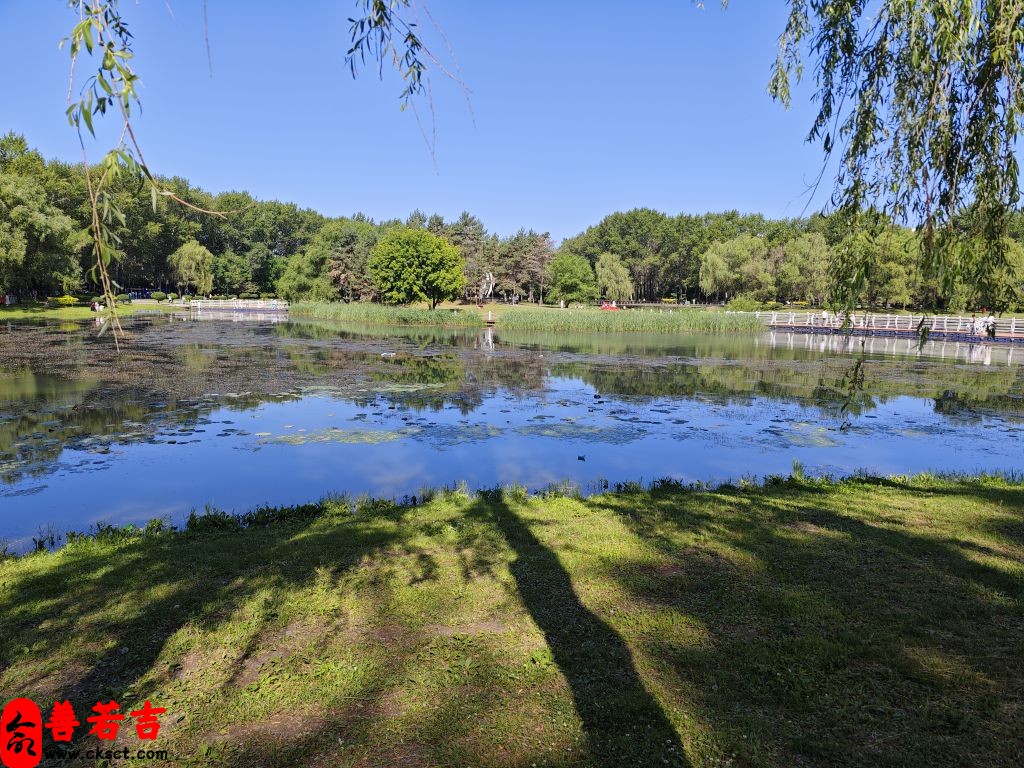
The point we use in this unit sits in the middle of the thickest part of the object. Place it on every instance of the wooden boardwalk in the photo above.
(1009, 330)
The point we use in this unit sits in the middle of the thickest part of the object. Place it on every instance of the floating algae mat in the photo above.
(584, 433)
(236, 415)
(333, 435)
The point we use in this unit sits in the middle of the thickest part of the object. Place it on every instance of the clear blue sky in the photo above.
(581, 108)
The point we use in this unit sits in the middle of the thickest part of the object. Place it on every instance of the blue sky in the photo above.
(579, 108)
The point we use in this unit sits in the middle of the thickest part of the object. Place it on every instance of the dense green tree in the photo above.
(613, 280)
(232, 274)
(571, 279)
(263, 246)
(410, 265)
(721, 264)
(191, 268)
(304, 279)
(38, 244)
(346, 247)
(804, 272)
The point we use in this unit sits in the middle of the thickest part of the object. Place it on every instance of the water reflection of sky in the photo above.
(305, 410)
(289, 452)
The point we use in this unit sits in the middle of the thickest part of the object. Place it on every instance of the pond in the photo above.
(239, 414)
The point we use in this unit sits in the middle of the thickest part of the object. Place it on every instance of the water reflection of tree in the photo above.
(172, 381)
(166, 397)
(823, 383)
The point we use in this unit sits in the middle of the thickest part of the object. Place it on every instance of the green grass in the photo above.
(867, 622)
(381, 315)
(628, 320)
(42, 312)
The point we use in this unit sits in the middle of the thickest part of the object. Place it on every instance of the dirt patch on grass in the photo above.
(808, 528)
(279, 644)
(491, 627)
(193, 662)
(58, 685)
(278, 728)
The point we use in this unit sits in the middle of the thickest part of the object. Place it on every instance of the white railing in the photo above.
(870, 321)
(238, 305)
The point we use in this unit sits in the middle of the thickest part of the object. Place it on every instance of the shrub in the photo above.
(158, 295)
(172, 296)
(62, 301)
(123, 298)
(96, 300)
(743, 303)
(268, 295)
(248, 295)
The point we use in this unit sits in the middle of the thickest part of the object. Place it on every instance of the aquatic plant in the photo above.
(381, 315)
(628, 321)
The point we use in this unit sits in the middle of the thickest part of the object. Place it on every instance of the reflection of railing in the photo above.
(199, 306)
(1007, 329)
(943, 348)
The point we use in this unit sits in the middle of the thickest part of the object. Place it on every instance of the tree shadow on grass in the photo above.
(623, 722)
(94, 620)
(836, 636)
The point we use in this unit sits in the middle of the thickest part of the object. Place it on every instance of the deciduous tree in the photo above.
(410, 265)
(192, 268)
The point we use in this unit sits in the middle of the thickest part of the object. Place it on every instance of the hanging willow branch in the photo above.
(102, 35)
(923, 102)
(381, 33)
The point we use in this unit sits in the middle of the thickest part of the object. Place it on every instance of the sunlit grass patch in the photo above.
(803, 622)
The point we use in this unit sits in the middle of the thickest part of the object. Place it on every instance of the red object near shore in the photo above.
(609, 307)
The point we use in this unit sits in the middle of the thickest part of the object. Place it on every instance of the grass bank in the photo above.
(42, 312)
(866, 622)
(628, 321)
(379, 314)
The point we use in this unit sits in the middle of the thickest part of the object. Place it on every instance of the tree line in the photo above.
(274, 248)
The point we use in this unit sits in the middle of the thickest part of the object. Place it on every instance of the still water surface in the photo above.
(235, 415)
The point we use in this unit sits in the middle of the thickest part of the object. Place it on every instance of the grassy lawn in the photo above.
(860, 623)
(42, 312)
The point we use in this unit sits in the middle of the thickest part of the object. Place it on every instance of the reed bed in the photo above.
(628, 321)
(379, 314)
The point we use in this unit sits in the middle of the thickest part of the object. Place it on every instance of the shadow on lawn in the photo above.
(836, 637)
(196, 585)
(623, 722)
(833, 639)
(193, 582)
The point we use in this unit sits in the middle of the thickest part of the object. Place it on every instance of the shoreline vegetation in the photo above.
(379, 314)
(800, 621)
(667, 319)
(628, 321)
(41, 311)
(539, 319)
